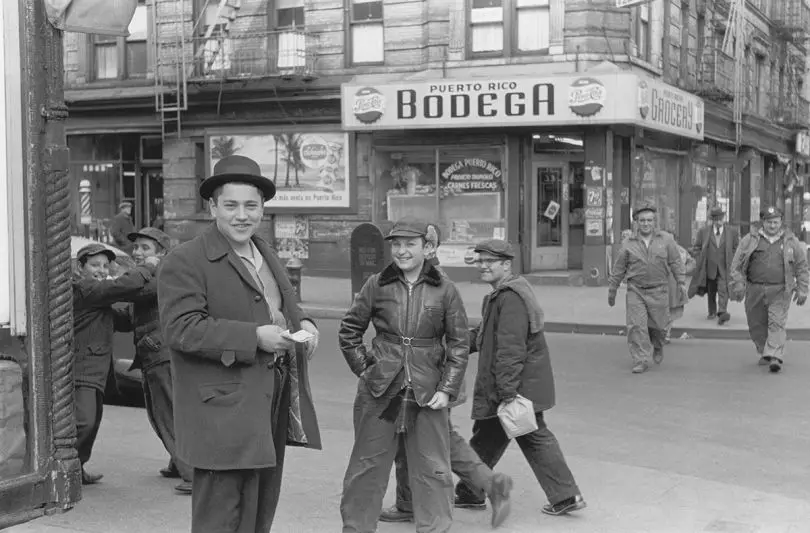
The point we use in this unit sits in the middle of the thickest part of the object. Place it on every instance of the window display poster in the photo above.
(309, 170)
(755, 207)
(471, 175)
(594, 227)
(552, 210)
(292, 236)
(700, 210)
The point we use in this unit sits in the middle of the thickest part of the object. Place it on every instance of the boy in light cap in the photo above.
(408, 377)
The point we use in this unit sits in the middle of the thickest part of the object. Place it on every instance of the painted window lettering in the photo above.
(443, 104)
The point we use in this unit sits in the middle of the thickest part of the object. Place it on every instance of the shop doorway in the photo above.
(152, 189)
(549, 220)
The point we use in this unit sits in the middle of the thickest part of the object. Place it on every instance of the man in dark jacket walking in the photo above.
(408, 378)
(714, 250)
(94, 322)
(121, 226)
(514, 360)
(152, 355)
(241, 385)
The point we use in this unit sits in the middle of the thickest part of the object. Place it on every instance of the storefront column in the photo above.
(598, 165)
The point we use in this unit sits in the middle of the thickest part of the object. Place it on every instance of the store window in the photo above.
(460, 189)
(656, 179)
(713, 186)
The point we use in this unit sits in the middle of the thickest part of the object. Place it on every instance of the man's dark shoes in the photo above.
(170, 471)
(574, 503)
(658, 355)
(722, 318)
(499, 498)
(183, 488)
(711, 316)
(466, 503)
(764, 360)
(395, 514)
(776, 365)
(90, 479)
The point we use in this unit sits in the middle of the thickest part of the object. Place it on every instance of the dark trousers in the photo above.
(89, 408)
(157, 394)
(463, 461)
(427, 447)
(541, 450)
(715, 292)
(243, 501)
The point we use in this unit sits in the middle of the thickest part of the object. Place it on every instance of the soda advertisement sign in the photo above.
(565, 100)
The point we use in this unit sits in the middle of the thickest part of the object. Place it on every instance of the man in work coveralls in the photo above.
(408, 377)
(646, 259)
(769, 268)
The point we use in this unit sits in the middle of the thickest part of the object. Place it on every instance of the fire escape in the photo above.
(199, 42)
(791, 20)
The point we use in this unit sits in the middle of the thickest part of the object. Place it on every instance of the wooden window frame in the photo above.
(509, 22)
(349, 40)
(272, 17)
(644, 53)
(120, 44)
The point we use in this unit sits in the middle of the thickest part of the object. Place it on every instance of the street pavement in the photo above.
(708, 442)
(567, 310)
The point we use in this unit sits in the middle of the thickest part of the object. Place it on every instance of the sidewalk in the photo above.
(567, 309)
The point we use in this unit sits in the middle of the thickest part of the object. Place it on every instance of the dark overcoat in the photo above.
(700, 250)
(210, 307)
(511, 359)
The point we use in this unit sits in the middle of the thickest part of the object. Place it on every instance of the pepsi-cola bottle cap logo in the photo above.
(587, 96)
(369, 105)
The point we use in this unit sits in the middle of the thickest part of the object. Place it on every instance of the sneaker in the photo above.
(575, 503)
(499, 498)
(183, 488)
(658, 355)
(640, 368)
(464, 503)
(776, 365)
(395, 514)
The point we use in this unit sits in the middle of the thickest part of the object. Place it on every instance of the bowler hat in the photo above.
(717, 212)
(237, 169)
(644, 206)
(496, 247)
(408, 227)
(152, 233)
(770, 212)
(95, 249)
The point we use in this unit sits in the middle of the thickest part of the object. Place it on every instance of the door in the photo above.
(152, 190)
(549, 243)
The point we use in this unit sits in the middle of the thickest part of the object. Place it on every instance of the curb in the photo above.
(801, 334)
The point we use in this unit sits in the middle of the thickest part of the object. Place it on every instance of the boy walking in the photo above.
(407, 380)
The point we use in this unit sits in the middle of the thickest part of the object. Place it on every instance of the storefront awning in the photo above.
(427, 100)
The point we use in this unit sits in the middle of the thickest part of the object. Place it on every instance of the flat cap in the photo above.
(124, 204)
(408, 227)
(770, 212)
(644, 206)
(152, 233)
(496, 247)
(717, 212)
(95, 249)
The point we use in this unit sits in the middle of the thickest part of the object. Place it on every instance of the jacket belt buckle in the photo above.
(407, 341)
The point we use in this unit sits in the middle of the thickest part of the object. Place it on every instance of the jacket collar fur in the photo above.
(429, 274)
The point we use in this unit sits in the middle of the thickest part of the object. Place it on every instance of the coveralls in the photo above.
(647, 270)
(407, 355)
(767, 272)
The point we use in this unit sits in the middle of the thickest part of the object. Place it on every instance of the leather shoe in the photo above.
(640, 368)
(170, 471)
(395, 514)
(90, 479)
(183, 488)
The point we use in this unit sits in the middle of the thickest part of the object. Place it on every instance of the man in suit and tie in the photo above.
(714, 249)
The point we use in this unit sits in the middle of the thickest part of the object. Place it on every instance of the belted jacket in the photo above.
(795, 256)
(411, 321)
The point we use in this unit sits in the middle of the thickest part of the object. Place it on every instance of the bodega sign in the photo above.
(567, 100)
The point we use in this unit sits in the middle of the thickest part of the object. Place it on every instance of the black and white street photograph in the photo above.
(389, 266)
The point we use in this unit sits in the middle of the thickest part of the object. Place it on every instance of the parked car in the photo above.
(125, 386)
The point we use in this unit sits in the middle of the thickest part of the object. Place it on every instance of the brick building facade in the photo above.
(264, 78)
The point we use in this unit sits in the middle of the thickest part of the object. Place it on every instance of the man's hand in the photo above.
(611, 299)
(270, 339)
(440, 400)
(799, 298)
(312, 344)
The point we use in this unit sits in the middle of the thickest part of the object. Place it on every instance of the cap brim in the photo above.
(404, 234)
(494, 254)
(134, 235)
(109, 253)
(211, 184)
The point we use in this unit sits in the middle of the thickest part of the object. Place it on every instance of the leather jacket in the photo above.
(410, 323)
(150, 350)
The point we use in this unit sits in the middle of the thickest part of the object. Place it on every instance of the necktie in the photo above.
(717, 232)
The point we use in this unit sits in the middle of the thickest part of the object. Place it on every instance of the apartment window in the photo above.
(759, 76)
(115, 58)
(509, 26)
(292, 45)
(641, 32)
(289, 14)
(366, 32)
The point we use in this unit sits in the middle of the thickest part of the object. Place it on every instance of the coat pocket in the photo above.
(221, 394)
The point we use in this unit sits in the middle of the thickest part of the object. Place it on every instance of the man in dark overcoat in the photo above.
(241, 385)
(121, 226)
(513, 359)
(714, 250)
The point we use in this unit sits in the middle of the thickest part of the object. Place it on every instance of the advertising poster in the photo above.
(310, 170)
(292, 236)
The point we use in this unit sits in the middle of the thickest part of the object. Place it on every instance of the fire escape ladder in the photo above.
(734, 46)
(171, 84)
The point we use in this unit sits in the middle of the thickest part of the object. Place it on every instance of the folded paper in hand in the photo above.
(517, 417)
(301, 335)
